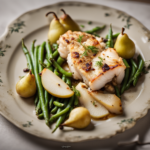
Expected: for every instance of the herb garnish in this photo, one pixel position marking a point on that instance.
(76, 92)
(94, 103)
(82, 26)
(87, 48)
(80, 39)
(99, 63)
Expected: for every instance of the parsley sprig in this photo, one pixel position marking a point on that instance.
(99, 63)
(87, 48)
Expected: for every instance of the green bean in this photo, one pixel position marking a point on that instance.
(55, 54)
(55, 46)
(117, 91)
(68, 81)
(56, 72)
(139, 71)
(71, 108)
(114, 36)
(54, 117)
(60, 60)
(60, 69)
(133, 63)
(39, 83)
(53, 111)
(38, 107)
(59, 122)
(41, 116)
(32, 52)
(64, 78)
(36, 98)
(26, 52)
(58, 104)
(49, 50)
(96, 29)
(64, 111)
(76, 101)
(46, 94)
(133, 71)
(61, 118)
(51, 102)
(109, 43)
(125, 80)
(41, 56)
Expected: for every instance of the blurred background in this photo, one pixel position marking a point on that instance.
(12, 138)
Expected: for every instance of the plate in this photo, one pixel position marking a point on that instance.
(34, 25)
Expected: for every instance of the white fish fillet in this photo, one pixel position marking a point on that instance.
(85, 67)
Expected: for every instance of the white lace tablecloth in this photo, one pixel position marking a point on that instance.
(12, 138)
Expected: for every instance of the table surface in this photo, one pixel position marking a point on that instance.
(12, 138)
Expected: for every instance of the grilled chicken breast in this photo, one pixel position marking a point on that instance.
(89, 60)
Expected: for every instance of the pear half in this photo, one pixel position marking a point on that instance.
(110, 101)
(95, 108)
(26, 87)
(54, 85)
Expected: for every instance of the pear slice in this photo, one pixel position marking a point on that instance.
(54, 85)
(96, 109)
(110, 101)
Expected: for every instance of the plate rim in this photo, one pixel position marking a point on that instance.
(86, 3)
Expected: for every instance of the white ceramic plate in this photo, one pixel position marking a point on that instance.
(34, 25)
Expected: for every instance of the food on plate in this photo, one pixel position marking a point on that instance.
(124, 46)
(26, 86)
(54, 85)
(88, 60)
(110, 101)
(56, 29)
(95, 108)
(75, 68)
(79, 118)
(68, 22)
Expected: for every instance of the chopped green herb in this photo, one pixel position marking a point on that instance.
(90, 22)
(80, 39)
(94, 103)
(87, 48)
(99, 63)
(148, 66)
(77, 93)
(82, 26)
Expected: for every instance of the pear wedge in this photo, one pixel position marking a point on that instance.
(54, 85)
(95, 108)
(110, 101)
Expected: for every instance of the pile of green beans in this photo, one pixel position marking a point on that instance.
(48, 107)
(132, 73)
